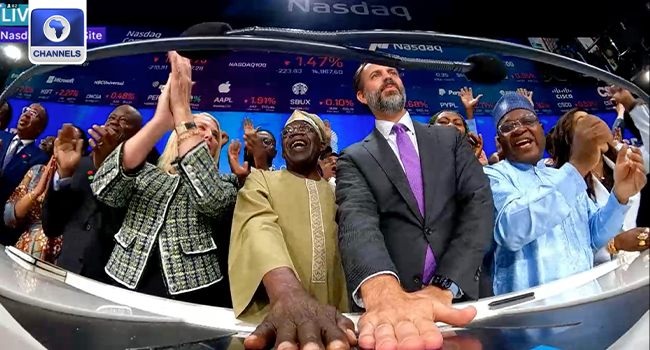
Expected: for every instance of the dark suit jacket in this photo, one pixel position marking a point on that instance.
(380, 225)
(13, 174)
(87, 225)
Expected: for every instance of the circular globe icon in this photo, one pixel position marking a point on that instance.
(56, 28)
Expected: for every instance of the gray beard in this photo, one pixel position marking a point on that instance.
(391, 104)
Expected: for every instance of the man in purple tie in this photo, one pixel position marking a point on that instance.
(415, 218)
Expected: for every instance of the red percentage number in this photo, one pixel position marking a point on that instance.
(263, 100)
(320, 61)
(417, 104)
(26, 89)
(123, 95)
(68, 93)
(338, 102)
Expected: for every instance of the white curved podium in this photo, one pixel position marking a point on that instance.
(591, 310)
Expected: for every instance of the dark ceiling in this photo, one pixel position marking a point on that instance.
(548, 18)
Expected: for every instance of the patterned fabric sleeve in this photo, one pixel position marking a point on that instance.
(111, 184)
(211, 195)
(27, 184)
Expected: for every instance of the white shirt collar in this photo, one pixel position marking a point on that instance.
(24, 142)
(385, 127)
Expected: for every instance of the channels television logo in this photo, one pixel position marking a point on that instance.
(57, 35)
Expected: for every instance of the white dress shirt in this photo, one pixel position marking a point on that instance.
(640, 115)
(18, 143)
(386, 130)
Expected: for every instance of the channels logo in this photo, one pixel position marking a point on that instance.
(109, 82)
(224, 88)
(134, 35)
(340, 8)
(299, 88)
(247, 64)
(57, 35)
(406, 47)
(52, 79)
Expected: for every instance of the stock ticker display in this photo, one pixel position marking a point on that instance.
(268, 86)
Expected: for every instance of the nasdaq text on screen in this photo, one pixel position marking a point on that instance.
(362, 8)
(57, 32)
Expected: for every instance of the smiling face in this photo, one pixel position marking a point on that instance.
(381, 88)
(521, 137)
(125, 121)
(32, 122)
(301, 145)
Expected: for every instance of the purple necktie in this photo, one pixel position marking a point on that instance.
(413, 170)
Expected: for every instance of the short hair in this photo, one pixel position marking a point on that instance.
(268, 132)
(357, 83)
(45, 117)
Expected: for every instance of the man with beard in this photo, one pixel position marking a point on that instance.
(19, 153)
(70, 208)
(546, 225)
(415, 218)
(283, 249)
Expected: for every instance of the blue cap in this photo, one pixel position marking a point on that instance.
(510, 102)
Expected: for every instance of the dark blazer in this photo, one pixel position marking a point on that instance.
(13, 174)
(87, 225)
(380, 225)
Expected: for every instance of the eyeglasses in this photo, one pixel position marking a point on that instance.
(30, 112)
(526, 121)
(296, 127)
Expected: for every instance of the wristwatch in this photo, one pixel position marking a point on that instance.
(184, 126)
(446, 283)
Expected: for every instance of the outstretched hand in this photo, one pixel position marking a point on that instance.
(467, 98)
(68, 149)
(527, 94)
(301, 322)
(406, 321)
(242, 171)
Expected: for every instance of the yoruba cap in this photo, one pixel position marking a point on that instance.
(510, 102)
(312, 119)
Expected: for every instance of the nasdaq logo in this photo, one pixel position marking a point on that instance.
(361, 9)
(406, 47)
(57, 35)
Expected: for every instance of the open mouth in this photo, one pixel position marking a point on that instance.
(387, 87)
(298, 145)
(524, 143)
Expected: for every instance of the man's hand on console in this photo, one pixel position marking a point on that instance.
(397, 320)
(298, 321)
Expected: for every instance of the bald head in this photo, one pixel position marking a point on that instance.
(125, 121)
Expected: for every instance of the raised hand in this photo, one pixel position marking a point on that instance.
(103, 141)
(45, 179)
(181, 88)
(629, 173)
(620, 110)
(589, 134)
(622, 96)
(68, 149)
(234, 149)
(163, 113)
(467, 98)
(527, 94)
(298, 322)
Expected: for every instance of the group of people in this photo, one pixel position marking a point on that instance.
(398, 226)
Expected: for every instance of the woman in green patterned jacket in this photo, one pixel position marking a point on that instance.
(165, 246)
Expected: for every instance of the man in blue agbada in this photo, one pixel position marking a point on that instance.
(546, 225)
